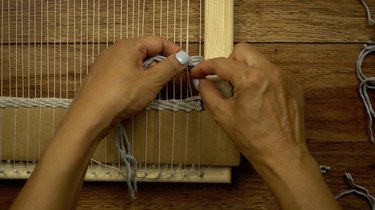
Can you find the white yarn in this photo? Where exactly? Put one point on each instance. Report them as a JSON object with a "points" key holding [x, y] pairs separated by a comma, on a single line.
{"points": [[34, 102], [187, 105]]}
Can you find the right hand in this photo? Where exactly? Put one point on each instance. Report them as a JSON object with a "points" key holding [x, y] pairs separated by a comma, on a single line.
{"points": [[264, 116]]}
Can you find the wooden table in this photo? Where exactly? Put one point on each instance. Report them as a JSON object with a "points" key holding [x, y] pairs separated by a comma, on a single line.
{"points": [[318, 42]]}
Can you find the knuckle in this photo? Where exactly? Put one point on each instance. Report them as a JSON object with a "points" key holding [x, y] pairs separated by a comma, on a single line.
{"points": [[171, 65], [260, 78], [141, 48], [253, 80], [219, 62], [241, 47], [137, 45]]}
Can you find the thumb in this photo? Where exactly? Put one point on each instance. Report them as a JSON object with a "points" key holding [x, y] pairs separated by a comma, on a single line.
{"points": [[213, 98], [162, 72]]}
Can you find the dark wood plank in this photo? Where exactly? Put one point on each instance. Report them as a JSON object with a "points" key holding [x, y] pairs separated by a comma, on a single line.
{"points": [[334, 110], [302, 21]]}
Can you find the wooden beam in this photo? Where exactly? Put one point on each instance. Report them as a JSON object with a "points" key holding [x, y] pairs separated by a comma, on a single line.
{"points": [[218, 35]]}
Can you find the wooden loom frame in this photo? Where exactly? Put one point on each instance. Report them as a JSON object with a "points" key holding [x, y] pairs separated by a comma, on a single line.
{"points": [[218, 42]]}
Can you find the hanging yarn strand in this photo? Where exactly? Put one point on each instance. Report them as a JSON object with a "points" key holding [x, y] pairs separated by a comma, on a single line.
{"points": [[370, 20], [357, 189], [365, 84], [122, 142], [123, 147]]}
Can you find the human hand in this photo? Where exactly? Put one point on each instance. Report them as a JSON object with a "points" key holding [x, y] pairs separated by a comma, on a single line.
{"points": [[264, 117], [118, 86]]}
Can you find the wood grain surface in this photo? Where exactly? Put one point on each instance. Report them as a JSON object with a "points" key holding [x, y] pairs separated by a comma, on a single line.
{"points": [[317, 42]]}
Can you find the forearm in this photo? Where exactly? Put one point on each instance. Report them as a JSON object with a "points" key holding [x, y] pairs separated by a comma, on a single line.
{"points": [[58, 177], [295, 180], [117, 87]]}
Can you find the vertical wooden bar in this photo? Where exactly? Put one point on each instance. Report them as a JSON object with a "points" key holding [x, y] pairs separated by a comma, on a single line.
{"points": [[218, 42], [218, 35]]}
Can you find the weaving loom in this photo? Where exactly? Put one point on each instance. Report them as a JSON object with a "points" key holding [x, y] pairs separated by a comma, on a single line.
{"points": [[46, 50]]}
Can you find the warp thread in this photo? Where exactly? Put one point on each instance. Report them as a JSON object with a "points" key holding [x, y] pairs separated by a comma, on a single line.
{"points": [[189, 104], [192, 103], [365, 84], [357, 189]]}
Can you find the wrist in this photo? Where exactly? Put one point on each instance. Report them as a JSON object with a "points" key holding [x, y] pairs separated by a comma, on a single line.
{"points": [[94, 109], [280, 162], [294, 178], [283, 163], [86, 121]]}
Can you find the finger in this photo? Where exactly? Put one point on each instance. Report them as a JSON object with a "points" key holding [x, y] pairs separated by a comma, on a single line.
{"points": [[226, 69], [151, 46], [212, 97], [164, 71], [249, 55]]}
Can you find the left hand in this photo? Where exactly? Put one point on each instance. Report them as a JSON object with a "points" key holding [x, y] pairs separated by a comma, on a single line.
{"points": [[118, 86]]}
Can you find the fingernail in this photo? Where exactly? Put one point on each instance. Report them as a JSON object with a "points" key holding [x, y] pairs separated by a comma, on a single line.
{"points": [[183, 58], [196, 84]]}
